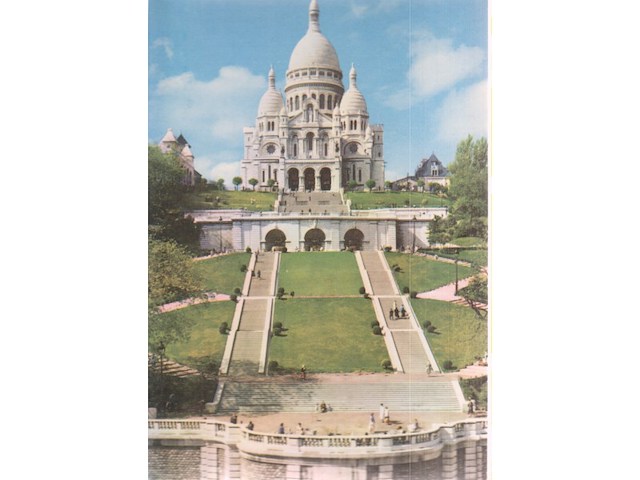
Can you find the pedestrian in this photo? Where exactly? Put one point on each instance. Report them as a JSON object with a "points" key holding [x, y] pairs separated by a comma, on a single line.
{"points": [[250, 425], [233, 419], [300, 429], [303, 372], [397, 312], [372, 423], [386, 416], [391, 314], [281, 429], [259, 274], [403, 312], [381, 412], [429, 368], [470, 407]]}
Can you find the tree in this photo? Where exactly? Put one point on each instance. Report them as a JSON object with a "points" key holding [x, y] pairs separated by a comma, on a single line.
{"points": [[171, 277], [439, 230], [420, 184], [220, 184], [469, 187], [171, 273], [388, 184], [352, 184], [370, 184], [167, 192], [476, 295], [270, 183], [253, 182], [237, 181]]}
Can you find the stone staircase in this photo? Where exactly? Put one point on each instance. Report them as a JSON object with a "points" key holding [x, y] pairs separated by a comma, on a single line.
{"points": [[377, 272], [411, 352], [303, 397]]}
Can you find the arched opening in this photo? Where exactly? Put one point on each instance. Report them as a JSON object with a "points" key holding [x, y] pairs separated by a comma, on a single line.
{"points": [[322, 102], [275, 239], [294, 146], [309, 179], [353, 239], [309, 142], [294, 179], [325, 179], [314, 240]]}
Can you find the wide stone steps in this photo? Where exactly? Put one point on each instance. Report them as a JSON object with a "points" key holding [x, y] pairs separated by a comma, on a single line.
{"points": [[411, 351], [433, 396], [245, 358], [380, 281]]}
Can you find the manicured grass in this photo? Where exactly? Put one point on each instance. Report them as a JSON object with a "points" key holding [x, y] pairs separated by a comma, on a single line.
{"points": [[461, 335], [422, 274], [320, 273], [327, 335], [205, 339], [222, 274], [476, 256], [366, 200], [469, 242], [230, 199]]}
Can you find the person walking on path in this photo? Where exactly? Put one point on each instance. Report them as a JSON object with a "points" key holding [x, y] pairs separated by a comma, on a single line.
{"points": [[381, 412], [372, 423], [281, 429], [429, 368], [259, 274], [303, 372]]}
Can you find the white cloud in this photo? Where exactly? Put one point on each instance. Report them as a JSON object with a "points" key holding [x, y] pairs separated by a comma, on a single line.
{"points": [[437, 65], [463, 112], [215, 109], [358, 10], [226, 171], [165, 44]]}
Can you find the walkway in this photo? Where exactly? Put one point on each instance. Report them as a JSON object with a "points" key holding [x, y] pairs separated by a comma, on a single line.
{"points": [[246, 349], [447, 293], [408, 348]]}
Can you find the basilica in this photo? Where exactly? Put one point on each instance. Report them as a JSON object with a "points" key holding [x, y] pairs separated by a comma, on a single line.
{"points": [[318, 137]]}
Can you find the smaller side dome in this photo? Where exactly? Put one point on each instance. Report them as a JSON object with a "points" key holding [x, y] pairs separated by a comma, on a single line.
{"points": [[168, 137], [353, 101], [271, 102]]}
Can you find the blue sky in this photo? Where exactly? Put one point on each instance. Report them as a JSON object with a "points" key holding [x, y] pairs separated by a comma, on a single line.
{"points": [[422, 67]]}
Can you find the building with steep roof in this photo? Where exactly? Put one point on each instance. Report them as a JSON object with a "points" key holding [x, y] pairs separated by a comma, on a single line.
{"points": [[429, 170], [318, 137], [181, 148]]}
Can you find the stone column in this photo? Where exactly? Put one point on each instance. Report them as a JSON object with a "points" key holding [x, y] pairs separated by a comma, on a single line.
{"points": [[385, 472], [449, 463], [318, 185], [470, 468]]}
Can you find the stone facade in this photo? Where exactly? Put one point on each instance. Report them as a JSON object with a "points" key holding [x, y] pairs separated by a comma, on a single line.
{"points": [[318, 138]]}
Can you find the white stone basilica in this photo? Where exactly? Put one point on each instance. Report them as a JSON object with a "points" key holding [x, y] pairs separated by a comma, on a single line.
{"points": [[318, 138]]}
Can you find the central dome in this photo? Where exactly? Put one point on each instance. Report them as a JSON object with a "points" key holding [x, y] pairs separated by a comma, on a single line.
{"points": [[314, 49]]}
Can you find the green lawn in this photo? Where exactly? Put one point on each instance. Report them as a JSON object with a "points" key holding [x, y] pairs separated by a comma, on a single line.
{"points": [[366, 200], [476, 256], [205, 339], [320, 273], [422, 274], [461, 335], [222, 274], [253, 201], [327, 336]]}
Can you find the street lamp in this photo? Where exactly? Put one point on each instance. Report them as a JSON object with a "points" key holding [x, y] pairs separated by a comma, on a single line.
{"points": [[413, 248], [456, 262], [161, 349]]}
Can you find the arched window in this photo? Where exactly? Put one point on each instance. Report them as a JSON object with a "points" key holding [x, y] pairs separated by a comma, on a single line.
{"points": [[297, 102], [326, 149], [304, 98], [329, 105], [313, 95], [294, 145], [322, 101], [309, 142]]}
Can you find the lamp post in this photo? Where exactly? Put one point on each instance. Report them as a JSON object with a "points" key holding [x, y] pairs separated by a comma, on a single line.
{"points": [[161, 349], [413, 248], [456, 274]]}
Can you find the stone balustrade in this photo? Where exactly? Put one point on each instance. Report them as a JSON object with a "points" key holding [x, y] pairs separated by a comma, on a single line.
{"points": [[208, 430]]}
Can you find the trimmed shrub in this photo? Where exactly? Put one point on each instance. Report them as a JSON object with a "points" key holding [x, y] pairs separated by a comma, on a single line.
{"points": [[414, 294], [431, 328], [243, 268], [448, 365], [224, 328], [237, 291], [377, 330], [426, 324], [405, 289], [233, 298], [281, 290], [374, 323], [273, 365], [277, 331], [292, 293], [248, 249], [277, 325], [362, 291], [386, 364]]}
